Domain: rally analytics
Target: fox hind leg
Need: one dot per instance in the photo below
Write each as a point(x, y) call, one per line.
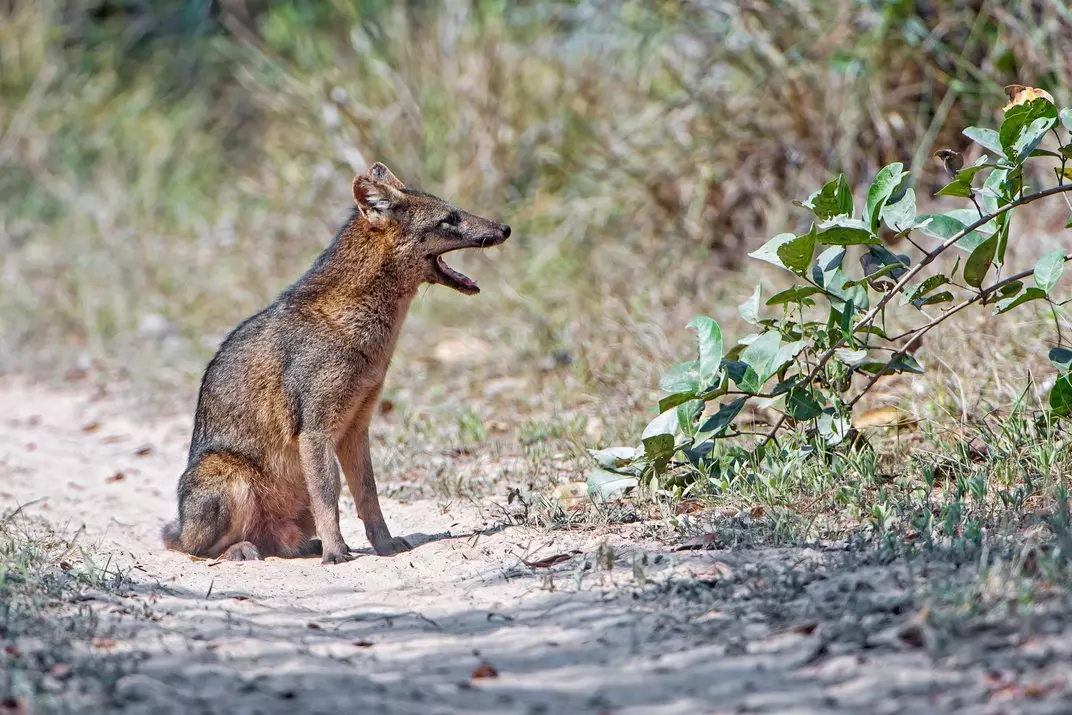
point(216, 510)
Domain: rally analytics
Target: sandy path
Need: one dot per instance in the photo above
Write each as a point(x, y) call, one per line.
point(405, 634)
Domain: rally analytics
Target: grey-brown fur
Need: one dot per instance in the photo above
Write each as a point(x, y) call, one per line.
point(288, 397)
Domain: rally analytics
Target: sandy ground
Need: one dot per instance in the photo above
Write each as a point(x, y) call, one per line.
point(616, 626)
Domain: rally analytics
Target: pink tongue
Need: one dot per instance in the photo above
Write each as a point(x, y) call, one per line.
point(460, 277)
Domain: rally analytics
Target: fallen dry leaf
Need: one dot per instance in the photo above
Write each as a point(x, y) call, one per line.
point(313, 626)
point(102, 643)
point(687, 507)
point(485, 670)
point(805, 629)
point(143, 451)
point(708, 540)
point(91, 427)
point(1019, 94)
point(117, 477)
point(363, 644)
point(12, 651)
point(550, 560)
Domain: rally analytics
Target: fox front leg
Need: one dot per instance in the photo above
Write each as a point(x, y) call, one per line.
point(356, 460)
point(322, 481)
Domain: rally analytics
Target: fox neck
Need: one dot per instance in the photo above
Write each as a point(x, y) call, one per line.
point(360, 290)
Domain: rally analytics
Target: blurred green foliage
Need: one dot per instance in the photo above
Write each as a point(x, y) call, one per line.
point(172, 163)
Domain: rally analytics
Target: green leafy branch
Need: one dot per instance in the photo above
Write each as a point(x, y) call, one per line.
point(831, 331)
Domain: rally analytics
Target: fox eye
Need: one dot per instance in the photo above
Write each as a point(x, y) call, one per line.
point(452, 220)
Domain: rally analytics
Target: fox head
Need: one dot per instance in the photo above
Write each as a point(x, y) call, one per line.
point(422, 228)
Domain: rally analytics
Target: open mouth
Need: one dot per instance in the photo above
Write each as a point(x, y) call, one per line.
point(455, 279)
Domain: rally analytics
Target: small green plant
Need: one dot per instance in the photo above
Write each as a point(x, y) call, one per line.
point(827, 344)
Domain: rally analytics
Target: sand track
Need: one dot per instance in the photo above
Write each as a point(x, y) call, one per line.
point(698, 632)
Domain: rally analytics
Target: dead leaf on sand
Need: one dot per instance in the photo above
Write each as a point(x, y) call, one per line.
point(90, 427)
point(117, 477)
point(707, 540)
point(143, 451)
point(485, 670)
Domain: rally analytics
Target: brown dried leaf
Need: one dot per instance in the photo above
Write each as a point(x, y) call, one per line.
point(102, 643)
point(143, 451)
point(91, 427)
point(362, 644)
point(707, 540)
point(313, 626)
point(485, 670)
point(117, 477)
point(687, 507)
point(1019, 94)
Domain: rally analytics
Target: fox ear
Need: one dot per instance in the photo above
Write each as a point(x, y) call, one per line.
point(380, 172)
point(372, 196)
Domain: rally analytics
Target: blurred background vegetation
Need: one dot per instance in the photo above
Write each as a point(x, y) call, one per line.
point(167, 166)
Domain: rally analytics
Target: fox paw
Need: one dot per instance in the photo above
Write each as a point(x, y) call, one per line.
point(394, 545)
point(242, 551)
point(337, 556)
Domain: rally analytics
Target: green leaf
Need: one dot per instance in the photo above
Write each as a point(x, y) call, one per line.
point(843, 231)
point(1023, 127)
point(1049, 269)
point(886, 181)
point(943, 297)
point(665, 425)
point(678, 398)
point(1061, 396)
point(1031, 136)
point(979, 261)
point(947, 225)
point(958, 188)
point(683, 377)
point(1010, 289)
point(788, 251)
point(993, 194)
point(615, 458)
point(709, 346)
point(801, 405)
point(759, 356)
point(901, 216)
point(605, 486)
point(922, 289)
point(987, 138)
point(1004, 306)
point(785, 353)
point(718, 422)
point(1066, 119)
point(1061, 358)
point(749, 309)
point(833, 429)
point(796, 294)
point(834, 199)
point(797, 254)
point(880, 261)
point(686, 415)
point(852, 358)
point(769, 251)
